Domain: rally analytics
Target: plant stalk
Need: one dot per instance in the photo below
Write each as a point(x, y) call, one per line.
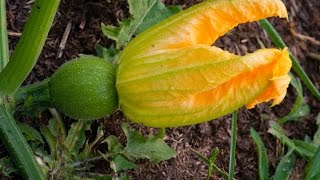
point(4, 49)
point(29, 47)
point(277, 40)
point(35, 95)
point(219, 171)
point(233, 145)
point(18, 146)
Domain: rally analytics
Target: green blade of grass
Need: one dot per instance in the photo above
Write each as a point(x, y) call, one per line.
point(233, 145)
point(4, 49)
point(262, 155)
point(76, 137)
point(18, 146)
point(277, 40)
point(316, 136)
point(285, 166)
point(298, 104)
point(29, 47)
point(306, 148)
point(50, 139)
point(313, 168)
point(277, 131)
point(299, 147)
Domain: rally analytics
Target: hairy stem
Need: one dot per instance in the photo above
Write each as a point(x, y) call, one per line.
point(33, 97)
point(29, 47)
point(18, 147)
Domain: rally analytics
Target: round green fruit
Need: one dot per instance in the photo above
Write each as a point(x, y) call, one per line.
point(84, 88)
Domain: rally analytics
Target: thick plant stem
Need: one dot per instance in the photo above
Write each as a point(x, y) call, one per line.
point(277, 40)
point(18, 146)
point(233, 145)
point(4, 49)
point(29, 47)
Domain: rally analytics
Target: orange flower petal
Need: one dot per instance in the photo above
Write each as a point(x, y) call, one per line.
point(200, 24)
point(171, 76)
point(207, 91)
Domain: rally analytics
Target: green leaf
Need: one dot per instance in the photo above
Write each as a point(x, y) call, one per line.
point(157, 13)
point(285, 166)
point(316, 136)
point(121, 178)
point(30, 133)
point(144, 14)
point(213, 155)
point(53, 127)
point(152, 148)
point(308, 149)
point(299, 109)
point(211, 163)
point(114, 145)
point(18, 147)
point(76, 137)
point(303, 111)
point(120, 164)
point(6, 166)
point(276, 130)
point(106, 177)
point(109, 54)
point(313, 168)
point(87, 150)
point(262, 155)
point(212, 166)
point(50, 139)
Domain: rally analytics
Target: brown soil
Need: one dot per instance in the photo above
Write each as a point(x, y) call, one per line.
point(86, 16)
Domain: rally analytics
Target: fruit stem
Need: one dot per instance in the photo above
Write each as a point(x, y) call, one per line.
point(35, 96)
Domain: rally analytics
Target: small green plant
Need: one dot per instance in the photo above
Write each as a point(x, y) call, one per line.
point(262, 155)
point(299, 109)
point(307, 149)
point(210, 162)
point(71, 154)
point(7, 167)
point(284, 167)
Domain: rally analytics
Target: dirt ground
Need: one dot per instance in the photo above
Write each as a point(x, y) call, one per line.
point(85, 17)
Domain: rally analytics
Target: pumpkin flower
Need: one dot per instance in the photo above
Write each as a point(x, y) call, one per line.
point(170, 75)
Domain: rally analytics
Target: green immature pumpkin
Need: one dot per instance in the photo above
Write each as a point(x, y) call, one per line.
point(84, 88)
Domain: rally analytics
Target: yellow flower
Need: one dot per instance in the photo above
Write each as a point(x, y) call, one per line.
point(170, 75)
